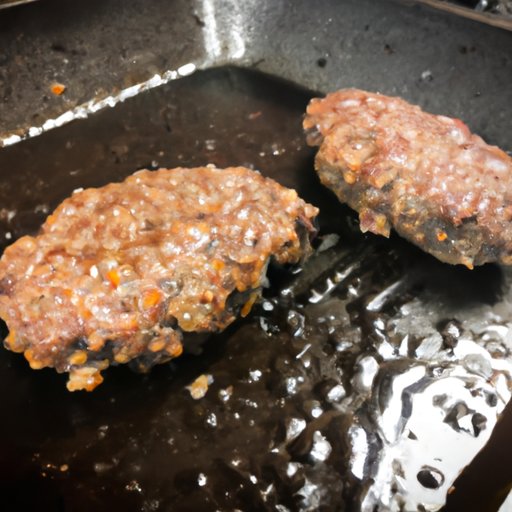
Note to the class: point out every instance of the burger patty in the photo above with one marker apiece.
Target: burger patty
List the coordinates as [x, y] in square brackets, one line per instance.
[426, 176]
[118, 274]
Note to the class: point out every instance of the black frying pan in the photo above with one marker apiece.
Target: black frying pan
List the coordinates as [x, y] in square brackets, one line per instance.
[141, 442]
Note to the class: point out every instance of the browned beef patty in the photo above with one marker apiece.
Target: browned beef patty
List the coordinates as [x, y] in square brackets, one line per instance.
[426, 176]
[117, 274]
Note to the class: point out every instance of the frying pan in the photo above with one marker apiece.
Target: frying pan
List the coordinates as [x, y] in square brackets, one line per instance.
[298, 414]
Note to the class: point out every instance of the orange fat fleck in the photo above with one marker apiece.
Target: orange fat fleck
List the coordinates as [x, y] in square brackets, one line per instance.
[85, 313]
[175, 350]
[11, 336]
[349, 177]
[58, 89]
[113, 277]
[121, 358]
[156, 345]
[95, 341]
[78, 357]
[151, 298]
[207, 297]
[218, 265]
[246, 309]
[34, 363]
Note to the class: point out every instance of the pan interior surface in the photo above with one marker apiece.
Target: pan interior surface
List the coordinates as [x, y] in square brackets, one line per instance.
[369, 379]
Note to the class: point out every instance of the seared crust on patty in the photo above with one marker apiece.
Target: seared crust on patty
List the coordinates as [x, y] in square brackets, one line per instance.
[426, 176]
[117, 274]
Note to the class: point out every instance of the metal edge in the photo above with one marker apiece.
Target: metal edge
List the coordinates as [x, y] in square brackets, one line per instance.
[484, 17]
[4, 4]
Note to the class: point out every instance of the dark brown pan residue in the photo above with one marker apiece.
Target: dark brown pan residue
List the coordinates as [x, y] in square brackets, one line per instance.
[305, 408]
[119, 273]
[426, 176]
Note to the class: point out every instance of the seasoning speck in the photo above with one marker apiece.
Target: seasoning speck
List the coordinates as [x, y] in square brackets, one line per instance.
[442, 236]
[199, 387]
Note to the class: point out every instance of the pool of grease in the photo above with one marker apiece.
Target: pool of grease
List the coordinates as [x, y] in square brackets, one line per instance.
[366, 381]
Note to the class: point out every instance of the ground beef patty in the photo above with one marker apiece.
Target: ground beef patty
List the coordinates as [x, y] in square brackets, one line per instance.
[119, 273]
[426, 176]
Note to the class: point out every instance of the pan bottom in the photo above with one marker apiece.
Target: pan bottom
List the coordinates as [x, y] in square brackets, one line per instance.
[366, 381]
